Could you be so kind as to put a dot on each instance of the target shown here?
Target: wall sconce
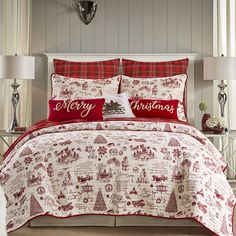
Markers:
(85, 9)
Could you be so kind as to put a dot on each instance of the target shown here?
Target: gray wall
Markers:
(125, 26)
(1, 27)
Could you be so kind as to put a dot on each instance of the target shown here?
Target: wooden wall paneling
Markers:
(100, 27)
(197, 26)
(135, 26)
(207, 49)
(147, 26)
(111, 26)
(39, 88)
(39, 85)
(63, 25)
(75, 27)
(184, 26)
(123, 24)
(2, 87)
(1, 26)
(87, 38)
(38, 26)
(51, 26)
(172, 26)
(159, 25)
(197, 47)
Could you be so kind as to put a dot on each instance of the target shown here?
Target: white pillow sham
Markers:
(162, 88)
(72, 88)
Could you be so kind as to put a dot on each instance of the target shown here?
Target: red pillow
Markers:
(154, 108)
(140, 69)
(87, 109)
(87, 70)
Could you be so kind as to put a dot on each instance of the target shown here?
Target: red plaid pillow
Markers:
(140, 69)
(87, 70)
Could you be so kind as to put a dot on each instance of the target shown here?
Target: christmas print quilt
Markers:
(140, 167)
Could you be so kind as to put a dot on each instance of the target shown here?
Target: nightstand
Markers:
(226, 144)
(7, 138)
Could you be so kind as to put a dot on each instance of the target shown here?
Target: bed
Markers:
(118, 172)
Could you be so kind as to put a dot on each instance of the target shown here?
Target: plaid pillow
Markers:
(87, 70)
(140, 69)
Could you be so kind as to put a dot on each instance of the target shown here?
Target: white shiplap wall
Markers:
(125, 26)
(1, 27)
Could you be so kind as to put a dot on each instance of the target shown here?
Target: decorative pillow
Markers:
(87, 109)
(165, 88)
(117, 106)
(87, 70)
(67, 87)
(155, 108)
(140, 69)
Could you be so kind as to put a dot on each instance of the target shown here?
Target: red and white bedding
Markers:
(157, 168)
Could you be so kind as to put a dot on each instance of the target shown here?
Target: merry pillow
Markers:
(87, 109)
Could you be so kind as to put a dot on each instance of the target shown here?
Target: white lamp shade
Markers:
(220, 68)
(17, 67)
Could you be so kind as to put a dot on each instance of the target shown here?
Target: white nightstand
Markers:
(7, 138)
(226, 144)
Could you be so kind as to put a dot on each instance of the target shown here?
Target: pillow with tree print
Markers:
(117, 106)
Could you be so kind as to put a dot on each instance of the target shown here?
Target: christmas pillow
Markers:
(117, 106)
(87, 109)
(154, 108)
(162, 88)
(72, 88)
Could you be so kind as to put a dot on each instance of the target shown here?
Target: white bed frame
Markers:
(120, 220)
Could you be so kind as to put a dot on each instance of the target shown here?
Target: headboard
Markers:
(137, 57)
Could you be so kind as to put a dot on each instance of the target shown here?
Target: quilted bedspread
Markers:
(117, 167)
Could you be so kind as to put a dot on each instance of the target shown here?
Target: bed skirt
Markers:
(109, 221)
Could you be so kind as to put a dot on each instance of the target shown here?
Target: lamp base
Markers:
(222, 97)
(14, 100)
(13, 127)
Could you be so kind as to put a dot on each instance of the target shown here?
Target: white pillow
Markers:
(72, 88)
(162, 88)
(117, 106)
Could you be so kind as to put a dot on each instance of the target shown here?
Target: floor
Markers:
(107, 231)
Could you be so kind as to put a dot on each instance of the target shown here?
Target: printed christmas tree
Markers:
(172, 204)
(100, 204)
(26, 151)
(167, 128)
(35, 208)
(223, 228)
(113, 108)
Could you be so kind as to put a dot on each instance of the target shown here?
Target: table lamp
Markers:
(220, 68)
(16, 67)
